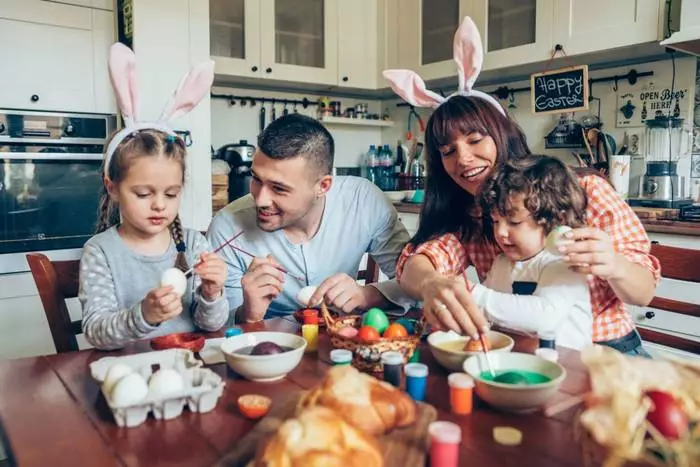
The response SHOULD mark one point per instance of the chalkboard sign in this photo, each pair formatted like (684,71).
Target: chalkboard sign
(562,90)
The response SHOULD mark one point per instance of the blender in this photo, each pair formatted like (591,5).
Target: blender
(661,186)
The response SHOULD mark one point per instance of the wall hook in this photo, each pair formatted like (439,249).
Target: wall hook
(614,86)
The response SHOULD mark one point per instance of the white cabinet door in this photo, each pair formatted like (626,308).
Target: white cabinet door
(592,25)
(357,44)
(234,34)
(299,40)
(102,39)
(426,32)
(514,32)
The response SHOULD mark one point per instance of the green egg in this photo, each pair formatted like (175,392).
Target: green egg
(376,319)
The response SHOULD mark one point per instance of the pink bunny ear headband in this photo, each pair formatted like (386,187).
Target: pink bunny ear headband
(122,73)
(469,57)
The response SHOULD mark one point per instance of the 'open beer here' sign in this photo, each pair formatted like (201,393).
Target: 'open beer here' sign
(558,91)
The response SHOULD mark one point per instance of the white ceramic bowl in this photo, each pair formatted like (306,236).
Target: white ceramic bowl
(263,368)
(395,196)
(454,359)
(515,398)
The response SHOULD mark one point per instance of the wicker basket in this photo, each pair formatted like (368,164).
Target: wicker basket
(367,357)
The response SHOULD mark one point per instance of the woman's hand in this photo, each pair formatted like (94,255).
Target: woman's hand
(448,304)
(212,271)
(591,252)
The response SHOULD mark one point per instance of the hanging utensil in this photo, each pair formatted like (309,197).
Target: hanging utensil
(285,110)
(262,117)
(274,112)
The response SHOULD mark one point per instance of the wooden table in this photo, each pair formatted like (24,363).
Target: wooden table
(53,414)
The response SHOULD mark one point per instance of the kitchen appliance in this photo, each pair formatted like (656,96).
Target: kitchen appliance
(50,181)
(661,186)
(239,157)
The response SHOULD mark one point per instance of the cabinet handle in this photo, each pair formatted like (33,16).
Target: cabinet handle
(254,69)
(268,70)
(345,79)
(649,315)
(35,98)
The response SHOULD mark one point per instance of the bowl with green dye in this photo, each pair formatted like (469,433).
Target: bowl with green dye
(523,383)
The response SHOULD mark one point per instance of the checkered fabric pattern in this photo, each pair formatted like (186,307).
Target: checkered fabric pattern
(606,211)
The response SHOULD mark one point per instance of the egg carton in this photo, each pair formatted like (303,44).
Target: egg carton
(201,391)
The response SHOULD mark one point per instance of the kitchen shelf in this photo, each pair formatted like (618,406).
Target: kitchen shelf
(356,121)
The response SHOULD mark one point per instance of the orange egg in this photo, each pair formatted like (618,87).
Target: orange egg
(254,406)
(395,330)
(367,334)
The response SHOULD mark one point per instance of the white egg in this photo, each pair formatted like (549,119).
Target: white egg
(131,389)
(165,382)
(114,374)
(304,295)
(176,279)
(555,239)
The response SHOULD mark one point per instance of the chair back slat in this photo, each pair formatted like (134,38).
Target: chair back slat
(57,281)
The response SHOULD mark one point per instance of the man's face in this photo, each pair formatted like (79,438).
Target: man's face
(284,190)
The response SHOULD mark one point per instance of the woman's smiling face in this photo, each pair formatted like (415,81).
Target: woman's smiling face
(469,160)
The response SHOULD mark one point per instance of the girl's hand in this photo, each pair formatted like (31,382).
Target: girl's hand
(213,272)
(592,252)
(448,304)
(160,305)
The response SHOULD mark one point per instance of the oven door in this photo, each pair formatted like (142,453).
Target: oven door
(48,200)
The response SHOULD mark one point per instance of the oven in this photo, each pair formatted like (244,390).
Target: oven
(50,182)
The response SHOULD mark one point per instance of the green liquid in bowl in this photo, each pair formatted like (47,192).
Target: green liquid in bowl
(515,377)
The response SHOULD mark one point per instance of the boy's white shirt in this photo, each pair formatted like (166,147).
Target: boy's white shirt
(560,303)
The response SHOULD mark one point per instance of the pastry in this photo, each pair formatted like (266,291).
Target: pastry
(318,437)
(373,406)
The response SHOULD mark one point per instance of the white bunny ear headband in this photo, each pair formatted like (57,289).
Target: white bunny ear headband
(469,57)
(122,74)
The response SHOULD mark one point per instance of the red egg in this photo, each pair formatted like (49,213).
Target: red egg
(666,415)
(367,334)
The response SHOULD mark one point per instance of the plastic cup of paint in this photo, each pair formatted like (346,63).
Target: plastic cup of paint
(341,357)
(392,363)
(310,316)
(310,334)
(416,380)
(461,393)
(547,353)
(230,332)
(547,339)
(444,444)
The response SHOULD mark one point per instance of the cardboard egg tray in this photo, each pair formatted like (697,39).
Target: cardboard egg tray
(202,388)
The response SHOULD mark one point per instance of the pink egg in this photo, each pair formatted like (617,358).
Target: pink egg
(348,332)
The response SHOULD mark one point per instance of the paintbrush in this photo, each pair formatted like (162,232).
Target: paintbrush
(482,335)
(221,247)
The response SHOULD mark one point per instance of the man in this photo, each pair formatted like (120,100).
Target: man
(305,227)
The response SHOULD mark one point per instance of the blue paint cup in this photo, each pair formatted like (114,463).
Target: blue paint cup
(230,332)
(416,380)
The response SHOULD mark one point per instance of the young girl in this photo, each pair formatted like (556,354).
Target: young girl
(140,234)
(528,287)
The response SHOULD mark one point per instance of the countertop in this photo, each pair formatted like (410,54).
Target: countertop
(666,226)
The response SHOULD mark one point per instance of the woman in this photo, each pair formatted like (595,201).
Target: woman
(468,137)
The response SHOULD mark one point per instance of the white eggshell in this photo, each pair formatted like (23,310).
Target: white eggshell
(555,239)
(305,294)
(176,279)
(131,389)
(114,374)
(165,382)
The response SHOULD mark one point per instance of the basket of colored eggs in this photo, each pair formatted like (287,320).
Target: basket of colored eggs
(370,335)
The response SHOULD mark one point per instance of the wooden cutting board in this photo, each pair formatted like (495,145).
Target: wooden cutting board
(401,448)
(656,213)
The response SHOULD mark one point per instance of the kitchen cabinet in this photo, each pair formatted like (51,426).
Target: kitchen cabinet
(58,56)
(584,26)
(514,31)
(358,44)
(102,4)
(288,40)
(425,32)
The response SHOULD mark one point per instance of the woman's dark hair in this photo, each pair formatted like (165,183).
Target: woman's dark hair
(143,143)
(551,193)
(448,208)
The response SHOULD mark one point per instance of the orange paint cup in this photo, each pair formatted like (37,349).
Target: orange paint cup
(310,316)
(461,393)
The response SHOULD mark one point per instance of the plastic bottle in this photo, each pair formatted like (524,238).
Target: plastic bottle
(372,164)
(386,162)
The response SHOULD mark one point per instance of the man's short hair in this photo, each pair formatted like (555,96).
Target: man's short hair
(296,135)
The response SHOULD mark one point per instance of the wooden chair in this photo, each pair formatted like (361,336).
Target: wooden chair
(57,281)
(683,265)
(371,274)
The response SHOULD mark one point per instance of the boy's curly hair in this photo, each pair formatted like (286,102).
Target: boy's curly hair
(550,190)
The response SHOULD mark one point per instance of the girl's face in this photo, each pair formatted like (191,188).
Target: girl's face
(518,234)
(469,160)
(149,194)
